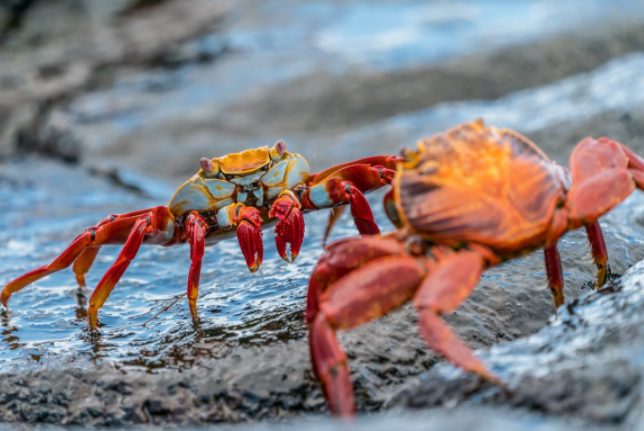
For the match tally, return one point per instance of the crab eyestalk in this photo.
(278, 150)
(210, 169)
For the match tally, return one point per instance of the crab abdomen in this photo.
(479, 184)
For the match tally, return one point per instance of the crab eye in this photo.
(210, 169)
(206, 164)
(278, 150)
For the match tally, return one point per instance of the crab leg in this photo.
(346, 184)
(94, 237)
(604, 173)
(599, 252)
(158, 226)
(448, 285)
(554, 272)
(114, 273)
(290, 228)
(387, 162)
(389, 204)
(344, 257)
(334, 192)
(249, 231)
(84, 262)
(367, 293)
(197, 239)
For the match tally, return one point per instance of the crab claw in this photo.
(290, 228)
(290, 231)
(249, 235)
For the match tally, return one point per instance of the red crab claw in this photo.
(249, 235)
(290, 228)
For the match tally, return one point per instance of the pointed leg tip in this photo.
(92, 318)
(5, 298)
(490, 377)
(254, 267)
(602, 276)
(193, 310)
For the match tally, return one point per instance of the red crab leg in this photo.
(84, 262)
(388, 162)
(110, 233)
(604, 173)
(389, 204)
(290, 228)
(115, 272)
(343, 257)
(335, 215)
(334, 192)
(346, 184)
(362, 295)
(554, 272)
(157, 227)
(599, 252)
(197, 239)
(448, 285)
(249, 231)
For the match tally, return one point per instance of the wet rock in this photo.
(471, 419)
(605, 102)
(586, 363)
(327, 102)
(11, 14)
(132, 99)
(46, 61)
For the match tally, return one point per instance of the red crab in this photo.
(464, 201)
(239, 193)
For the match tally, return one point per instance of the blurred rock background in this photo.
(153, 85)
(105, 106)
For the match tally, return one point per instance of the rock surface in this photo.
(585, 363)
